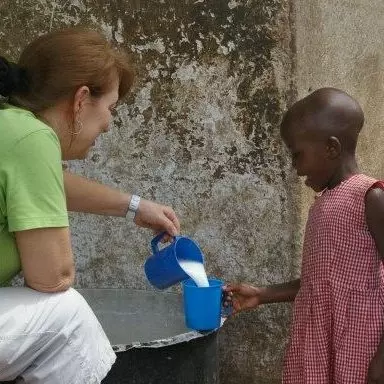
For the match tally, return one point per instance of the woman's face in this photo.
(93, 118)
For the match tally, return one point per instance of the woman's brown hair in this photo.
(56, 64)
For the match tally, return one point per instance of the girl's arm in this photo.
(279, 293)
(245, 296)
(374, 211)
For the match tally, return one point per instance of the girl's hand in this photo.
(376, 369)
(242, 297)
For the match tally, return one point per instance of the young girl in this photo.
(338, 320)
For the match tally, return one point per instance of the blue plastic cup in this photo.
(162, 268)
(202, 305)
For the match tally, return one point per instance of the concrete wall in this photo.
(200, 132)
(340, 44)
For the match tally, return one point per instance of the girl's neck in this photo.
(347, 168)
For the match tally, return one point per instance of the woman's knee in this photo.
(70, 310)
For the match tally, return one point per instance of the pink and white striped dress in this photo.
(338, 316)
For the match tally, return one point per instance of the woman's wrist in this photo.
(133, 207)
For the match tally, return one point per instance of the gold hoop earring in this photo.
(78, 123)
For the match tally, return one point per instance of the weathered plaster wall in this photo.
(199, 132)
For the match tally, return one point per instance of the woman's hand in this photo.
(157, 217)
(242, 297)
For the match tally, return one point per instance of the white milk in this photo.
(196, 271)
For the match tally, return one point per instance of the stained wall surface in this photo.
(200, 132)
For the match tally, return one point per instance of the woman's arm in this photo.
(88, 196)
(84, 195)
(46, 258)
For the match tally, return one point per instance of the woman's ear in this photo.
(80, 98)
(333, 147)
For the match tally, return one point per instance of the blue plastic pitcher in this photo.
(162, 268)
(203, 305)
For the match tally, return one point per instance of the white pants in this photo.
(51, 339)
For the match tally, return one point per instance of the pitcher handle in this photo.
(155, 242)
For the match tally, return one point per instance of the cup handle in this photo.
(225, 311)
(155, 242)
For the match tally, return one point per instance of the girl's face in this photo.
(93, 118)
(310, 158)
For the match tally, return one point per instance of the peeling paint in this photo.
(187, 72)
(157, 45)
(119, 33)
(233, 4)
(143, 98)
(199, 46)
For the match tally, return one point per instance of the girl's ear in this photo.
(333, 147)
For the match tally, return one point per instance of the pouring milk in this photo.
(196, 272)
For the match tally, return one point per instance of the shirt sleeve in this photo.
(378, 184)
(35, 196)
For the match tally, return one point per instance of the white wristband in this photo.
(134, 203)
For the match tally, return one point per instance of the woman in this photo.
(60, 97)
